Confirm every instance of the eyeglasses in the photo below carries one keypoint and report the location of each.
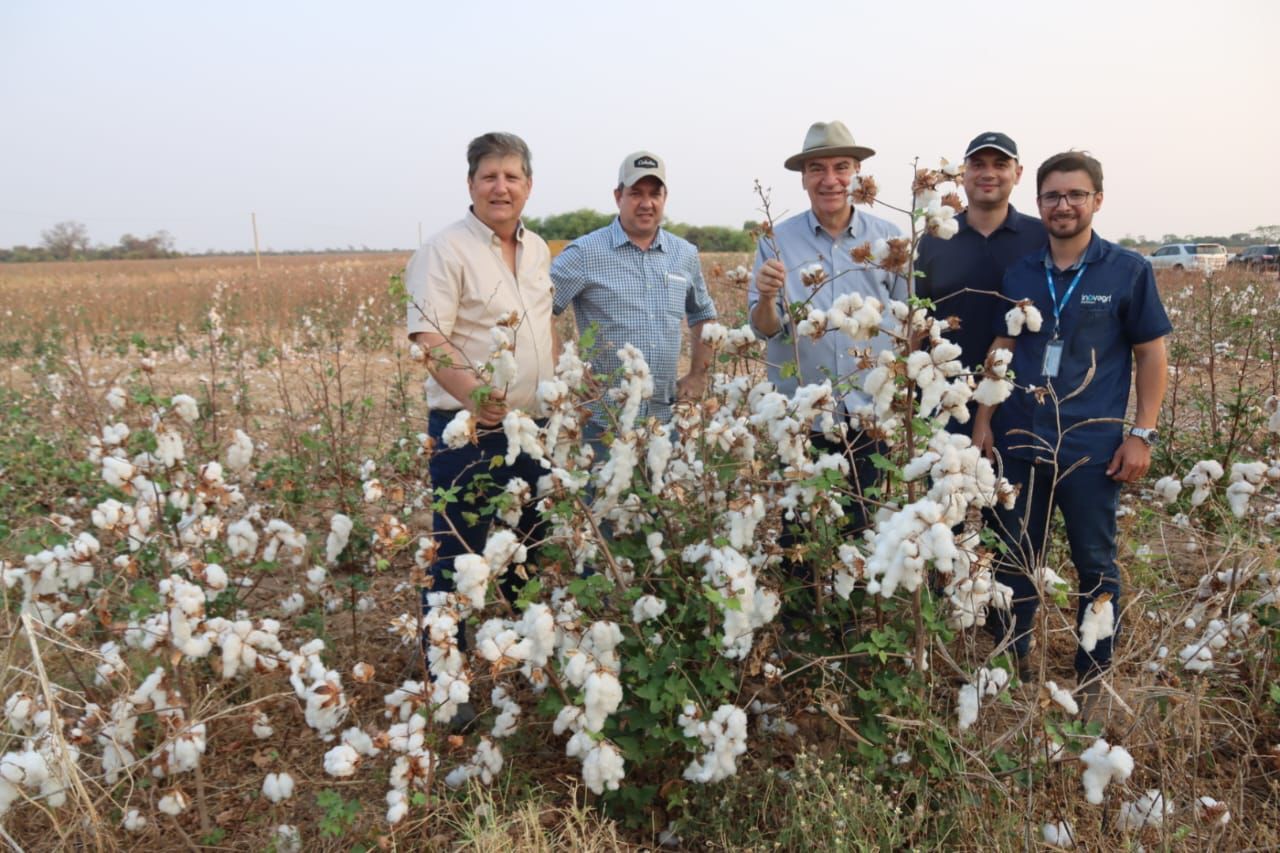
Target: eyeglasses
(1075, 198)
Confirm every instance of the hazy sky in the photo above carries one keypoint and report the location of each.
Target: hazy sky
(343, 124)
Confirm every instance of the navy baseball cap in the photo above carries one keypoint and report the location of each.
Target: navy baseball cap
(992, 139)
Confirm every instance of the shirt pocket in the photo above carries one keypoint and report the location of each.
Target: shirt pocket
(677, 287)
(1095, 332)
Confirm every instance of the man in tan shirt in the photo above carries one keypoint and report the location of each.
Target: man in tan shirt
(480, 299)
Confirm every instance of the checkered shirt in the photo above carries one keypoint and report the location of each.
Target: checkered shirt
(635, 296)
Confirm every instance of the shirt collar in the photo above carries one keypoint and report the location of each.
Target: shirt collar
(1092, 253)
(815, 226)
(1012, 221)
(484, 232)
(618, 238)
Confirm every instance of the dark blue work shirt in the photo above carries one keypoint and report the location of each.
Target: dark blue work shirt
(1114, 308)
(970, 260)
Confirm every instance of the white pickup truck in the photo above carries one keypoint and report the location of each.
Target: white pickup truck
(1205, 257)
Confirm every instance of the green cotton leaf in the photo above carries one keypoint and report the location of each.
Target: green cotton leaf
(883, 463)
(529, 593)
(789, 370)
(497, 462)
(587, 338)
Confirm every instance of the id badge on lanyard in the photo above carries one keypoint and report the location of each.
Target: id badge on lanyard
(1052, 362)
(1052, 359)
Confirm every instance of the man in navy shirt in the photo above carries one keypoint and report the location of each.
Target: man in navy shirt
(962, 275)
(1061, 434)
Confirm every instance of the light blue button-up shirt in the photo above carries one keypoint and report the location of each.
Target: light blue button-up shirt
(802, 241)
(633, 295)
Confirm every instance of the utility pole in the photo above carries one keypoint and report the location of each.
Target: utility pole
(253, 218)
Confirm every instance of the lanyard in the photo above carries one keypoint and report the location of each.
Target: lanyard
(1066, 297)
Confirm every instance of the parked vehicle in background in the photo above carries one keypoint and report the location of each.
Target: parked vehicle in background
(1207, 257)
(1258, 257)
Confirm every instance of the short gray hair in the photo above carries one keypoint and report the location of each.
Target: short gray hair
(497, 145)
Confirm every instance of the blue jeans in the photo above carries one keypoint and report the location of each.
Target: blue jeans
(1087, 498)
(459, 467)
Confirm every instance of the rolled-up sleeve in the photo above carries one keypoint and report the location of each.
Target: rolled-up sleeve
(434, 287)
(698, 305)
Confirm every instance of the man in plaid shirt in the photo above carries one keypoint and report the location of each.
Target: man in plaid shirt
(635, 282)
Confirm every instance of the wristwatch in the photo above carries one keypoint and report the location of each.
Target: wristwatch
(1149, 436)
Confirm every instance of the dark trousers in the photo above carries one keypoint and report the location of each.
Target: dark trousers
(1087, 498)
(458, 469)
(858, 448)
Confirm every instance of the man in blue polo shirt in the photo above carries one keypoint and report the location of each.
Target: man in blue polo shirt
(962, 275)
(636, 282)
(1061, 434)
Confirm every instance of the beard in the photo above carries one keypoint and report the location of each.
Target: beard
(1064, 228)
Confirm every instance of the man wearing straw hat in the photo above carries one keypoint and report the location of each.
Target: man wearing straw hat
(826, 234)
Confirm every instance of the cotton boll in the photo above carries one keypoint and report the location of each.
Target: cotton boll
(1238, 494)
(1059, 835)
(1201, 478)
(725, 736)
(341, 761)
(1167, 489)
(277, 787)
(134, 821)
(397, 806)
(1098, 622)
(174, 803)
(1148, 810)
(460, 431)
(648, 607)
(239, 452)
(967, 706)
(242, 539)
(288, 839)
(293, 604)
(262, 726)
(1211, 811)
(1024, 314)
(340, 527)
(602, 696)
(185, 407)
(1103, 764)
(602, 767)
(1062, 698)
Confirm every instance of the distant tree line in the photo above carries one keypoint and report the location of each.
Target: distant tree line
(69, 241)
(1262, 235)
(708, 238)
